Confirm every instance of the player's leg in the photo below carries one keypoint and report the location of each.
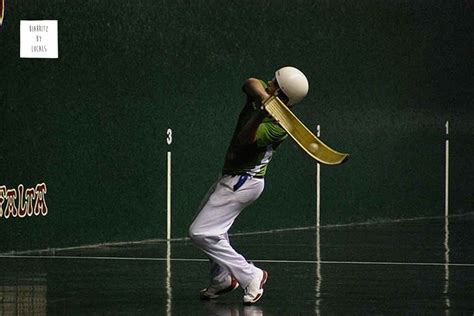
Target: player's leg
(221, 281)
(217, 272)
(209, 229)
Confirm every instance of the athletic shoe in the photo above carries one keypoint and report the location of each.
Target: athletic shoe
(216, 289)
(254, 291)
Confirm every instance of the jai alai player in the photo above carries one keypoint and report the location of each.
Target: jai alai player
(256, 137)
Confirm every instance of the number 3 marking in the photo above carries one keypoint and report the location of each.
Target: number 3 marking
(169, 138)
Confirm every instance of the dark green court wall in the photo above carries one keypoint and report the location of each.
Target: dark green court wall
(385, 77)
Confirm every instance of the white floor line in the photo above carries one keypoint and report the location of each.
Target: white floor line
(149, 241)
(395, 263)
(282, 230)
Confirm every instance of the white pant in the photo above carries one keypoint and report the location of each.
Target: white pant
(209, 229)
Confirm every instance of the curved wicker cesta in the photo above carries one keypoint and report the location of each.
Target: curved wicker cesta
(302, 135)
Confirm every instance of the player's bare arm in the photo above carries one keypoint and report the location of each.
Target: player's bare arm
(255, 91)
(248, 133)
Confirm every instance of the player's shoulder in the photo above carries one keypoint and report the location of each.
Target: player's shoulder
(270, 132)
(272, 125)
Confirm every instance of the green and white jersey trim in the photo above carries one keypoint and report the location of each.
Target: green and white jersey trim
(261, 169)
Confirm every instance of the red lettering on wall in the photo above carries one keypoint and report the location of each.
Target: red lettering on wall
(30, 201)
(21, 205)
(40, 205)
(30, 196)
(3, 191)
(11, 209)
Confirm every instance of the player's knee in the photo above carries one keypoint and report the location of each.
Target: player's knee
(196, 236)
(199, 237)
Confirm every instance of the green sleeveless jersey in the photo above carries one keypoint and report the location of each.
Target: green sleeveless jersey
(253, 158)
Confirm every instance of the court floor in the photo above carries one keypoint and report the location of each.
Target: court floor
(421, 266)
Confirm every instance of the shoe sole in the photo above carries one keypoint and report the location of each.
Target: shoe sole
(264, 280)
(232, 287)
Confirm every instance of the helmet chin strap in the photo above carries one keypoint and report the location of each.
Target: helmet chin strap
(282, 96)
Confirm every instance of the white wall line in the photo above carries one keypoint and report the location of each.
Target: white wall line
(318, 187)
(168, 197)
(446, 183)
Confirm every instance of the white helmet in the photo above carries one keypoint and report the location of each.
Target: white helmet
(293, 83)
